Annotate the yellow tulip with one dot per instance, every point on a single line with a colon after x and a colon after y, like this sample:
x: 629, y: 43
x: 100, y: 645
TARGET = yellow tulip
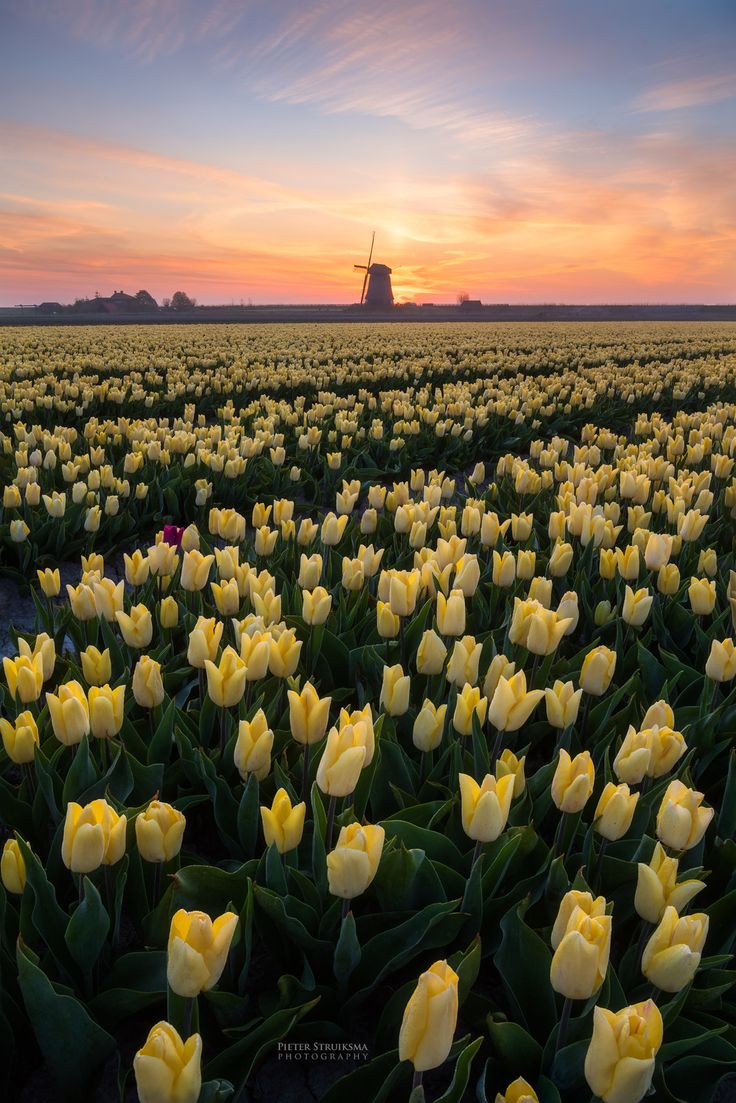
x: 13, y: 868
x: 226, y: 680
x: 108, y: 598
x: 283, y: 824
x: 650, y: 752
x: 204, y: 642
x: 469, y: 703
x: 668, y: 579
x: 310, y: 571
x: 658, y: 551
x: 619, y: 1064
x: 137, y: 568
x: 520, y: 1091
x: 197, y: 950
x: 562, y: 703
x: 333, y: 529
x: 168, y: 612
x: 721, y: 664
x: 512, y: 704
x: 252, y: 753
x: 69, y: 712
x: 637, y: 606
x: 94, y: 835
x: 106, y: 707
x: 672, y: 955
x: 195, y: 570
x: 451, y: 613
x: 316, y: 605
x: 509, y: 765
x: 395, y: 690
x: 283, y: 657
x: 20, y: 738
x: 346, y: 753
x: 148, y: 686
x: 429, y: 726
x: 167, y: 1069
x: 403, y: 592
x: 431, y: 654
x: 573, y: 781
x: 50, y: 581
x: 24, y: 676
x: 353, y: 864
x: 598, y: 670
x: 615, y: 811
x: 308, y: 714
x: 464, y: 662
x: 159, y: 831
x: 580, y: 961
x: 96, y: 666
x: 136, y: 627
x: 657, y: 887
x: 503, y: 571
x: 485, y: 808
x: 681, y: 821
x: 702, y: 595
x: 430, y: 1018
x: 572, y: 902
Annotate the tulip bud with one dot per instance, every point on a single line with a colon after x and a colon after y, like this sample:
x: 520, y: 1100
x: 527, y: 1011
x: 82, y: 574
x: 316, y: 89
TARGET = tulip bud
x: 354, y: 862
x: 562, y: 702
x: 650, y: 752
x: 316, y: 605
x: 451, y: 613
x: 431, y: 654
x: 580, y: 961
x: 106, y: 710
x: 284, y: 652
x: 615, y: 811
x: 96, y: 666
x: 469, y: 703
x: 50, y: 581
x: 657, y: 888
x: 226, y: 681
x: 136, y: 627
x: 20, y: 738
x: 430, y: 1018
x: 148, y: 686
x: 168, y: 612
x: 520, y: 1091
x: 252, y: 753
x: 619, y: 1064
x: 69, y: 711
x: 283, y: 824
x: 348, y: 749
x: 485, y: 807
x: 195, y: 570
x: 24, y: 676
x: 429, y: 726
x: 702, y: 595
x: 721, y: 664
x: 512, y: 703
x: 464, y: 661
x: 574, y: 901
x: 159, y: 831
x: 672, y: 955
x: 395, y: 690
x: 573, y: 781
x: 308, y: 714
x: 13, y: 868
x: 167, y: 1069
x: 681, y: 821
x: 509, y: 765
x: 636, y: 606
x: 204, y: 642
x: 197, y: 950
x: 597, y: 671
x: 94, y: 835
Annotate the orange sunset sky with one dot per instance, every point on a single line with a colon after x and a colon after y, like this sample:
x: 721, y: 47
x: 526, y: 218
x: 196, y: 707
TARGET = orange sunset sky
x: 558, y: 150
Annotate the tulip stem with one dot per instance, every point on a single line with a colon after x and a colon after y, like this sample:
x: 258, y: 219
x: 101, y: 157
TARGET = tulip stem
x: 156, y: 889
x: 558, y: 836
x: 714, y: 697
x: 330, y: 822
x: 402, y: 642
x: 345, y: 909
x: 417, y: 1081
x: 186, y: 1018
x: 223, y: 715
x: 305, y: 773
x: 598, y: 862
x: 496, y: 752
x: 80, y: 887
x: 476, y: 856
x: 564, y: 1024
x: 30, y: 782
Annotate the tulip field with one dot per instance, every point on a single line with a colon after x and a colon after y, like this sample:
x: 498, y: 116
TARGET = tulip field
x: 374, y: 740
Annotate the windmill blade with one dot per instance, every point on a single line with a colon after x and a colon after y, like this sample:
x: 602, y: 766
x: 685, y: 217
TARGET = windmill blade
x: 370, y: 255
x: 365, y: 281
x: 360, y: 267
x: 367, y: 269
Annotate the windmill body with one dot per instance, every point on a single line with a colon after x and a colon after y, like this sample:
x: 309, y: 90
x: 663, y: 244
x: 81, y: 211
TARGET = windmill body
x: 377, y: 293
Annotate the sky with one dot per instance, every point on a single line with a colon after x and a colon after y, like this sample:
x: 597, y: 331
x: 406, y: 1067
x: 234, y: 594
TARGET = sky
x: 518, y: 151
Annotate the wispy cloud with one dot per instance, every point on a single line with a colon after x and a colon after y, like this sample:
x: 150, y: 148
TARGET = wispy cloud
x: 697, y: 91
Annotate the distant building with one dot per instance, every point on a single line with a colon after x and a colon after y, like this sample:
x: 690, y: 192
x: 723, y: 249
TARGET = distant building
x: 471, y: 304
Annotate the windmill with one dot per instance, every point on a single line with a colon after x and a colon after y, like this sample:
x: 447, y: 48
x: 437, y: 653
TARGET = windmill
x: 377, y: 280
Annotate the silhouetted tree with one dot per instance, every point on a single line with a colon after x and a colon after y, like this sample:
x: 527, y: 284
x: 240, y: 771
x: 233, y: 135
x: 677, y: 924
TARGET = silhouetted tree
x: 181, y: 301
